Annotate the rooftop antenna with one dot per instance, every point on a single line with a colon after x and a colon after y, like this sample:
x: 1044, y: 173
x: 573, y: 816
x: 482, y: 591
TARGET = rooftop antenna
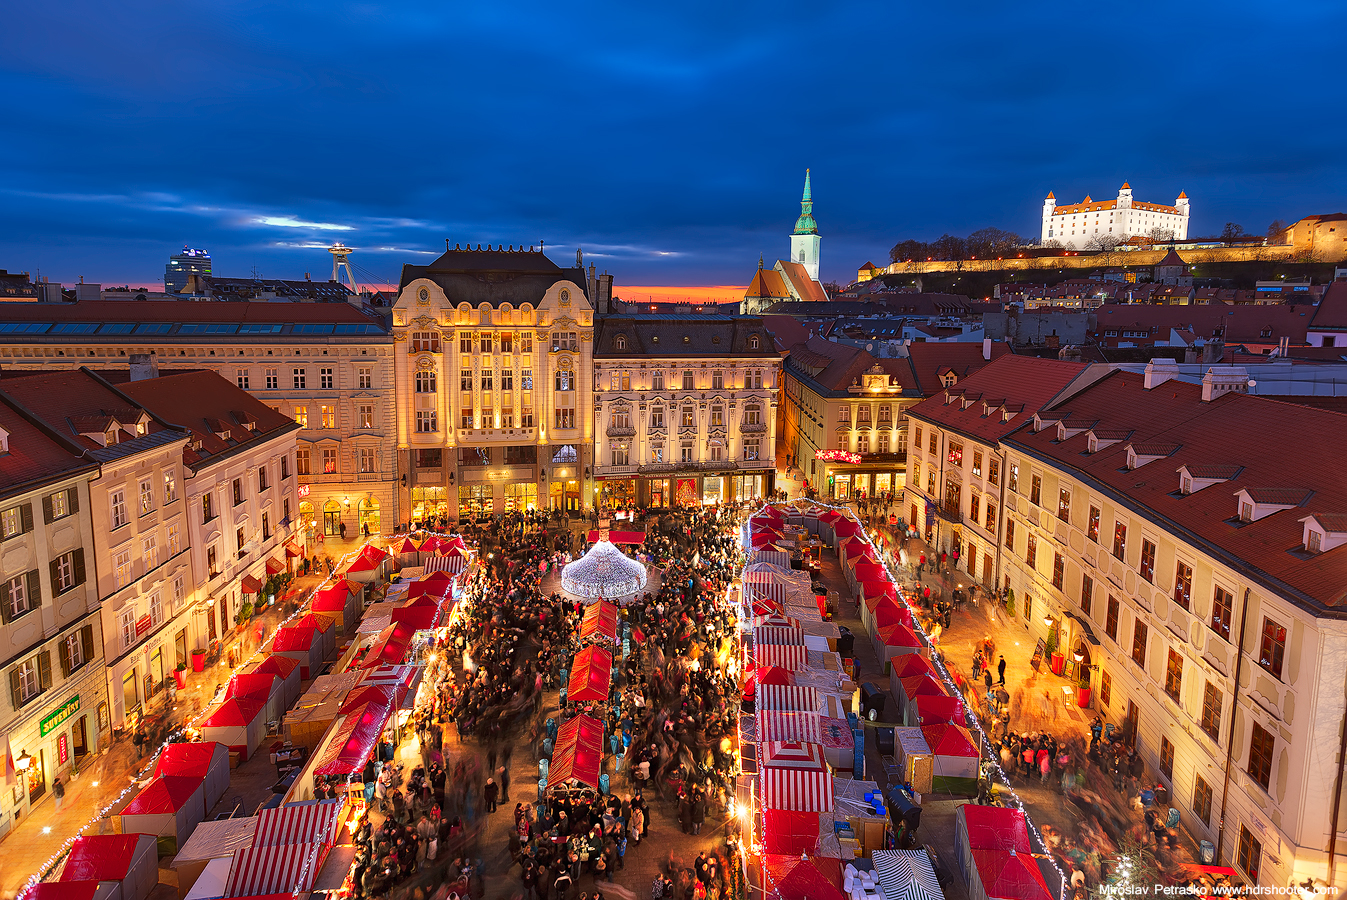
x: 341, y: 259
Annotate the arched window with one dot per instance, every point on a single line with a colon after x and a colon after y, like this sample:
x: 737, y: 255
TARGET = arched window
x: 620, y: 342
x: 753, y: 342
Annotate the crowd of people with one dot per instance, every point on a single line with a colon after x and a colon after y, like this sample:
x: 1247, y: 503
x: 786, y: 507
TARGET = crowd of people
x: 671, y: 711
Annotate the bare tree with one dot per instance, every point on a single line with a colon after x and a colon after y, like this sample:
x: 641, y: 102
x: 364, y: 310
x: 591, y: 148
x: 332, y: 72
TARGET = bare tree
x: 1160, y: 235
x: 1276, y: 232
x: 1232, y: 232
x: 1106, y: 245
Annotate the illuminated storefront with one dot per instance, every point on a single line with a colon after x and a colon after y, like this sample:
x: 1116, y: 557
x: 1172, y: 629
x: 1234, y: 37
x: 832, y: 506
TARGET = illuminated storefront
x: 429, y: 502
x: 857, y: 476
x: 475, y: 500
x: 521, y: 496
x: 620, y: 492
x: 369, y: 516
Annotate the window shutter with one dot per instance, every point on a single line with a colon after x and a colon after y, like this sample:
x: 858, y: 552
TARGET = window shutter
x: 55, y: 576
x: 46, y: 509
x: 44, y: 668
x: 79, y: 565
x: 63, y: 649
x: 4, y: 601
x: 74, y: 501
x: 16, y: 698
x: 34, y: 589
x: 26, y: 517
x: 87, y: 641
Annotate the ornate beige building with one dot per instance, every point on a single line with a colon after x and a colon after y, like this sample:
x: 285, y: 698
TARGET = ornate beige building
x: 493, y: 380
x: 684, y: 409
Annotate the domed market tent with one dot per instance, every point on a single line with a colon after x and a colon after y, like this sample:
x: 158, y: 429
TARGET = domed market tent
x: 603, y: 573
x: 130, y: 861
x: 169, y: 807
x: 203, y: 759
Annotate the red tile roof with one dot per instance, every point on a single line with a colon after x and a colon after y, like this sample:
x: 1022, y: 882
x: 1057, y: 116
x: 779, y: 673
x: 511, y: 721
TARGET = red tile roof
x: 180, y: 311
x: 1331, y: 314
x: 927, y: 358
x: 808, y: 289
x: 208, y: 405
x: 73, y: 402
x: 35, y: 454
x: 1242, y: 324
x: 1023, y: 383
x: 1174, y: 413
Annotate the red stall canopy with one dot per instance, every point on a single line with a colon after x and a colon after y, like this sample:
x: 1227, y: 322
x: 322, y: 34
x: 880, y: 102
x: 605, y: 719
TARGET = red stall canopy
x: 793, y: 878
x: 591, y: 674
x: 898, y: 635
x: 845, y: 527
x: 891, y: 612
x: 407, y: 546
x: 938, y: 710
x: 63, y: 890
x: 909, y: 664
x: 578, y: 755
x: 373, y: 554
x: 166, y: 794
x: 868, y: 571
x: 600, y: 621
x: 292, y: 638
x: 390, y: 647
x: 235, y: 711
x: 433, y: 544
x: 418, y: 615
x: 346, y: 751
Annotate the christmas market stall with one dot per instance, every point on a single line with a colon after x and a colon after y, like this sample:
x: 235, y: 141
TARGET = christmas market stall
x: 169, y: 807
x: 205, y: 759
x: 129, y: 862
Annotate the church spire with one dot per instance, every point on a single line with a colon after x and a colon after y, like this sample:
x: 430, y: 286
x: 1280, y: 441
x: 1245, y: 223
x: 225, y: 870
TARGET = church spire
x: 806, y: 224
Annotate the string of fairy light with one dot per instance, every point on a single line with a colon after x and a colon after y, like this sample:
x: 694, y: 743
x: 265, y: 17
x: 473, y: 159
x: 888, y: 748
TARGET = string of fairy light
x: 938, y: 662
x: 337, y: 575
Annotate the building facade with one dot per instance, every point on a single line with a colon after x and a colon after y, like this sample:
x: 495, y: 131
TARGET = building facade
x: 493, y: 378
x: 329, y: 366
x: 684, y: 409
x: 1076, y: 225
x: 55, y: 712
x: 241, y: 502
x: 1185, y: 586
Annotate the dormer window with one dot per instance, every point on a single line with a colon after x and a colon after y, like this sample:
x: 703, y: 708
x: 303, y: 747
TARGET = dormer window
x: 1246, y: 512
x: 1314, y: 541
x: 1185, y: 485
x: 620, y: 342
x: 4, y: 441
x: 753, y: 342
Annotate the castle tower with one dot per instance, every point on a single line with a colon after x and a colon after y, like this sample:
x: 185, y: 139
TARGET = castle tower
x: 1125, y: 196
x: 1182, y: 205
x: 804, y: 242
x: 1049, y: 205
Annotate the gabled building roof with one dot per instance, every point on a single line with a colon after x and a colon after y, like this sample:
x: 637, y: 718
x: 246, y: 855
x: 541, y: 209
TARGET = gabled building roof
x: 682, y: 335
x: 1238, y: 324
x: 208, y: 405
x: 1331, y: 314
x: 927, y: 359
x: 767, y: 283
x: 1022, y: 384
x: 1269, y: 549
x: 801, y: 285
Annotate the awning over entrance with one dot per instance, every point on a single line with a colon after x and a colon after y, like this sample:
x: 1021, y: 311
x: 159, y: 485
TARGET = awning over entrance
x: 250, y: 585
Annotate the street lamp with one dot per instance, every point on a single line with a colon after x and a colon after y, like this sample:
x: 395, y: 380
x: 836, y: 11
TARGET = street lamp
x: 23, y: 761
x: 1078, y: 656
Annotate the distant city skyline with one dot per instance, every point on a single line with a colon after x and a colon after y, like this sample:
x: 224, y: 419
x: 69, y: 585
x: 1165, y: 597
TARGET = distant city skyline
x: 668, y: 145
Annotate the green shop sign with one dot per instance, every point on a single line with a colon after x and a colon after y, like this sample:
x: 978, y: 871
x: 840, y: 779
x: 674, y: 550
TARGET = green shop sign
x: 58, y: 717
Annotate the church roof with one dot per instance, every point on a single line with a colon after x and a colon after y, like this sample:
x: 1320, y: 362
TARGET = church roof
x: 801, y: 285
x: 767, y: 283
x: 1172, y: 258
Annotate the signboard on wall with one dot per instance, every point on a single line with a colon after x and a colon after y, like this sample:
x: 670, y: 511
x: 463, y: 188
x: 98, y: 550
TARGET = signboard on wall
x: 58, y: 717
x: 143, y: 626
x: 63, y: 749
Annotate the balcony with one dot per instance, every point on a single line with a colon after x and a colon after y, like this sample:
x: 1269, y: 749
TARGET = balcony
x: 423, y: 349
x: 503, y: 435
x: 617, y: 470
x: 656, y: 468
x: 880, y: 458
x: 753, y: 427
x: 949, y: 513
x: 621, y: 431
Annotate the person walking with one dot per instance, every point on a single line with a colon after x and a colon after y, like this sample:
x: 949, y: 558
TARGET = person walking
x: 1001, y: 669
x: 490, y: 793
x: 58, y: 791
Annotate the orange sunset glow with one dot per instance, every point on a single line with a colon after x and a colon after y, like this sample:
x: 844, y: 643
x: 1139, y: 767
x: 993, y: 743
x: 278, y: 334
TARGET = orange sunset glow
x: 661, y: 293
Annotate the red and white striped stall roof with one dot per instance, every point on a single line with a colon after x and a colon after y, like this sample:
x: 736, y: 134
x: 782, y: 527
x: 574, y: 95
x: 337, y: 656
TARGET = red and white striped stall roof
x: 791, y: 755
x: 779, y: 557
x: 777, y: 634
x: 798, y: 790
x: 273, y: 869
x: 453, y: 563
x: 789, y: 725
x: 787, y: 697
x: 298, y: 823
x: 771, y: 620
x: 788, y: 656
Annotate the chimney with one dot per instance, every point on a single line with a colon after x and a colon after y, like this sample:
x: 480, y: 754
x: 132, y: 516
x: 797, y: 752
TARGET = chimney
x: 1070, y: 353
x: 1160, y: 370
x: 987, y: 348
x: 1213, y: 351
x: 1222, y: 380
x: 144, y: 366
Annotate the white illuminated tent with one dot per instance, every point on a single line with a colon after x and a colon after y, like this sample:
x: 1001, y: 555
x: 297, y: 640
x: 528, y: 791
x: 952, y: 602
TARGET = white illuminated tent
x: 604, y: 573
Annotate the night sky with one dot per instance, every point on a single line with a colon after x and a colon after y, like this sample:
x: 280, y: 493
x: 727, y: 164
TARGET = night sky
x: 670, y: 143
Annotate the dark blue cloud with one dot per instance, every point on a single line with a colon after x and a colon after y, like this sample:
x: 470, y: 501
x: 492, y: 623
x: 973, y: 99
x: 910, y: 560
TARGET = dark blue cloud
x: 669, y: 141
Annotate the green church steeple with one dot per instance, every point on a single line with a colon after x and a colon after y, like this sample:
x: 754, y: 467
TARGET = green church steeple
x: 806, y: 224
